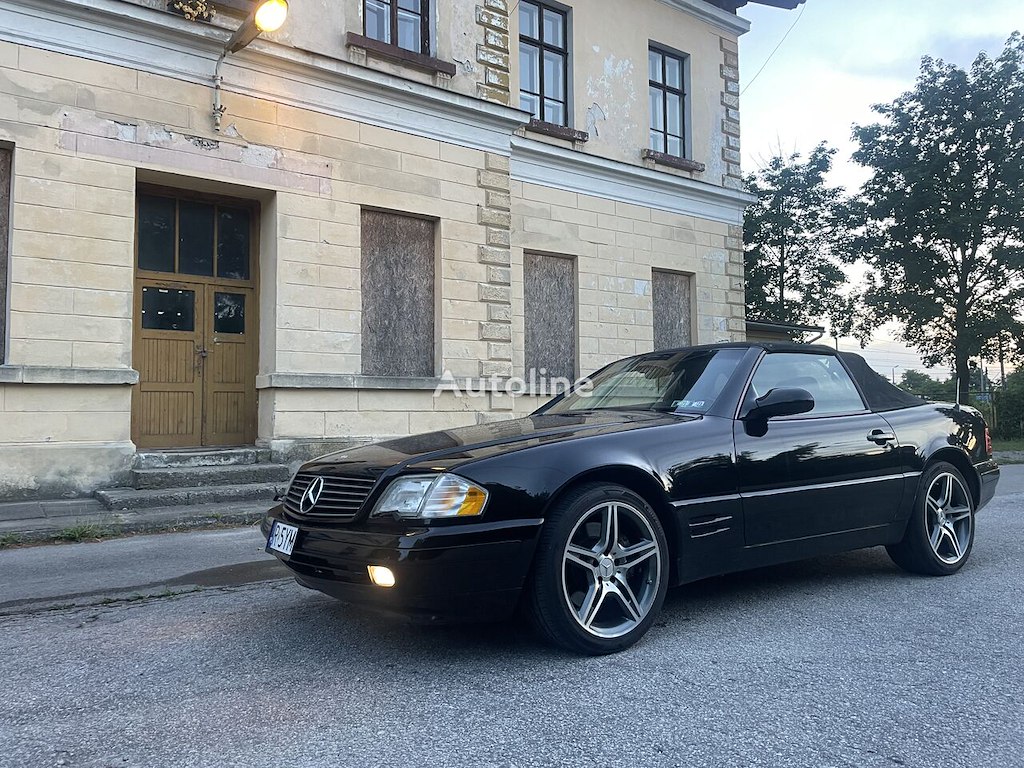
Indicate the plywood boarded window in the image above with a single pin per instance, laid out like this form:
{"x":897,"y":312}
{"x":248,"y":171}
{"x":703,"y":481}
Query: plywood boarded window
{"x":672,"y":302}
{"x":5,"y":220}
{"x":550,"y":306}
{"x":398,"y":295}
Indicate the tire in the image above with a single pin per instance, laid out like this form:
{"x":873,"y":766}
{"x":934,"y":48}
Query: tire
{"x":600,"y":572}
{"x":940,"y":534}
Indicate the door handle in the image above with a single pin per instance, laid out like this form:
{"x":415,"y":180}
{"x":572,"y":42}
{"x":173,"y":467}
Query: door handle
{"x":881,"y":437}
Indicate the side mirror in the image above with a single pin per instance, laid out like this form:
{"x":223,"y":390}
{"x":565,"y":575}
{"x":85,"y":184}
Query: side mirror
{"x":782,"y":401}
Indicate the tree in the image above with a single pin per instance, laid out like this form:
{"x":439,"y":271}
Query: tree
{"x":944,"y":211}
{"x":795,"y":237}
{"x":923,"y":385}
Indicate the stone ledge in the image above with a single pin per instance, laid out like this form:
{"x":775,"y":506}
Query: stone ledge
{"x":359,"y":381}
{"x":44,"y":374}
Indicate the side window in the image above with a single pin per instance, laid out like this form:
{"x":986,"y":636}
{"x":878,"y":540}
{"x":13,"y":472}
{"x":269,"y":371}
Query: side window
{"x":822,"y":375}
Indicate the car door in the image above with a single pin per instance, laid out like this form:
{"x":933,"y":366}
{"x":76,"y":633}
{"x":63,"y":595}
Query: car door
{"x":830,"y":470}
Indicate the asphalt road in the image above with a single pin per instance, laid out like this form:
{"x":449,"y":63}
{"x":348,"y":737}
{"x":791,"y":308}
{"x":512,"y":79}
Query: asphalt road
{"x":841,"y":661}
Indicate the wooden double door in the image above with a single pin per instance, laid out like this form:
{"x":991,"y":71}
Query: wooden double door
{"x":195,"y":329}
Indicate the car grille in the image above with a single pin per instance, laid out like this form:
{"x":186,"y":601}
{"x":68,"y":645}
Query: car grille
{"x":341,"y":499}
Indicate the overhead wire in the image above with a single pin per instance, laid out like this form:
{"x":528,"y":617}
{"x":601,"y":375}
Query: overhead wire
{"x":774,"y":50}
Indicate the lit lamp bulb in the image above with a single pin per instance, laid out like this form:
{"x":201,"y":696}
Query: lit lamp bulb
{"x":271,"y":14}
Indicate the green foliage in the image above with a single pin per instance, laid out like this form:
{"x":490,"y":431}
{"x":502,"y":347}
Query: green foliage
{"x":943,"y":210}
{"x":923,"y":385}
{"x":796,"y":236}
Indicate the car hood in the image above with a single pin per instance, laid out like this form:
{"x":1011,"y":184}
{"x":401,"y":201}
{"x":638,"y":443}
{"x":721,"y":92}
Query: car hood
{"x":451,"y":448}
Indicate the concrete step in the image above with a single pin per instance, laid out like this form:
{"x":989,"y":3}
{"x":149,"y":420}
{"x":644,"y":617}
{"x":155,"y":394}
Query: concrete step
{"x":132,"y":498}
{"x":225,"y":474}
{"x":201,"y":457}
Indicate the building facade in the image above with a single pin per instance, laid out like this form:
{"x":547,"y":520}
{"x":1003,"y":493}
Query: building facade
{"x":395,"y":194}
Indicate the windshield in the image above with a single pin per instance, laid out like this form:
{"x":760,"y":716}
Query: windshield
{"x":686,"y":381}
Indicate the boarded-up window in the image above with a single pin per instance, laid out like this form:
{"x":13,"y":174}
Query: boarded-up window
{"x":550,"y":306}
{"x":398,"y":295}
{"x":5,"y":219}
{"x":671,"y":294}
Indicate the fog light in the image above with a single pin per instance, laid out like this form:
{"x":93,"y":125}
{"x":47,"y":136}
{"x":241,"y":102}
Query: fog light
{"x":381,"y":576}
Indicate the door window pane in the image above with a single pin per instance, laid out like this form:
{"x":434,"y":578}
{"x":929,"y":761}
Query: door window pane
{"x":821,"y":375}
{"x":233,"y":246}
{"x":228,"y":312}
{"x":195,"y":238}
{"x":168,"y":309}
{"x":156,"y":233}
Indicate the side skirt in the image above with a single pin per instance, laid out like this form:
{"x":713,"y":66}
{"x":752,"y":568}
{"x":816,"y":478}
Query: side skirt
{"x":746,"y":558}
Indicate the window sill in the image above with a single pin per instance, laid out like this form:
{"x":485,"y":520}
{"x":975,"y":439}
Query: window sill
{"x":400,"y":55}
{"x":671,"y":161}
{"x":557,"y":131}
{"x":46,"y":374}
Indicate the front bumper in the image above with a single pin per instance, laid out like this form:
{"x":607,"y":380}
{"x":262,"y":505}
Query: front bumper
{"x":461,"y":572}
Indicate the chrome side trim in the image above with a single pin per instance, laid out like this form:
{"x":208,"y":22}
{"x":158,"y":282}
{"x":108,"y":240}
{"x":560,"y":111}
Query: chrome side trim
{"x":797,"y":489}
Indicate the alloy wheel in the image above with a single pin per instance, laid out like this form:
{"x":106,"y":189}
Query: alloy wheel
{"x":949,"y":521}
{"x":611,"y":569}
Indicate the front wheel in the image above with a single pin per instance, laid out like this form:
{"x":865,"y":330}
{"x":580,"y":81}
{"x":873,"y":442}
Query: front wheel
{"x":601,"y":570}
{"x":940,"y":534}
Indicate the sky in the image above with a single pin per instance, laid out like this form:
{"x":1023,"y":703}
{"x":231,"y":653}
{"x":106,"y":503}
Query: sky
{"x":839,"y":58}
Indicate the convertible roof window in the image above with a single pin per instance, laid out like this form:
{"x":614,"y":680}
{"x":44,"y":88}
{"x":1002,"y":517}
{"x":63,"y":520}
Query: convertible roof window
{"x":683,"y":381}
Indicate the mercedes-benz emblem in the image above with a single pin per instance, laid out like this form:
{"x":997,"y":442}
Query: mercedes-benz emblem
{"x":311,"y":495}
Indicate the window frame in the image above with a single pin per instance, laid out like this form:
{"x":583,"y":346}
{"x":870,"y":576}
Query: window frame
{"x":218,"y":202}
{"x":425,"y":14}
{"x":542,"y":46}
{"x":747,"y":402}
{"x":684,"y":101}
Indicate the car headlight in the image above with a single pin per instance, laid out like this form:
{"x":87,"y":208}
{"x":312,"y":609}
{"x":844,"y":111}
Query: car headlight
{"x":431,"y":496}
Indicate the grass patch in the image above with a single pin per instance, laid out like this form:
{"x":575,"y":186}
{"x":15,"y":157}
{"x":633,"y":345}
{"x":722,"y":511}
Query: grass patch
{"x":10,"y":540}
{"x":1007,"y":445}
{"x":83,"y":533}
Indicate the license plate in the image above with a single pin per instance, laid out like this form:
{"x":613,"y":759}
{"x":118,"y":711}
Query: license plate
{"x":282,"y":538}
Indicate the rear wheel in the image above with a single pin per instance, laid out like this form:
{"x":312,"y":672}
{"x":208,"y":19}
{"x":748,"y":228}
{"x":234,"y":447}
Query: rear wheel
{"x":940,"y":534}
{"x":601,"y":570}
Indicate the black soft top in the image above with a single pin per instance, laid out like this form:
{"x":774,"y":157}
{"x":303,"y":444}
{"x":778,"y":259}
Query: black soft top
{"x":880,"y":393}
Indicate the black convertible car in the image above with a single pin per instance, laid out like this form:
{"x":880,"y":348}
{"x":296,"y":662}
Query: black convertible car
{"x":678,"y":465}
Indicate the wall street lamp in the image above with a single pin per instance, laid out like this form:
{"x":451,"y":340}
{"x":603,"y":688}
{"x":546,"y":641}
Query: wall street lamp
{"x":266,"y":16}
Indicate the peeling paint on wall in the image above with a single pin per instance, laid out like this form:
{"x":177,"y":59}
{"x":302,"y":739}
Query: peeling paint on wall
{"x":615,"y":98}
{"x":595,"y":113}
